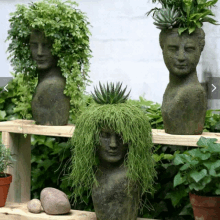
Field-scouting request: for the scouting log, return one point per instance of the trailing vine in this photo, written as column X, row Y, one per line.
column 67, row 28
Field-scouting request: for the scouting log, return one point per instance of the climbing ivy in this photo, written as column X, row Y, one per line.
column 67, row 27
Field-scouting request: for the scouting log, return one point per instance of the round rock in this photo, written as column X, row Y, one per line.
column 54, row 201
column 34, row 206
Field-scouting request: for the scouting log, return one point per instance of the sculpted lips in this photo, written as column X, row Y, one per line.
column 41, row 61
column 180, row 66
column 113, row 153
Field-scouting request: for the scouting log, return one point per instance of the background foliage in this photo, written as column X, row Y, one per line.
column 67, row 28
column 49, row 156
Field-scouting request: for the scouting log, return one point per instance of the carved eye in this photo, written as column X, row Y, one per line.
column 190, row 49
column 46, row 46
column 173, row 48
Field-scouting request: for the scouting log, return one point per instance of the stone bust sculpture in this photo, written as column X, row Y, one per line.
column 110, row 199
column 184, row 101
column 49, row 105
column 60, row 46
column 111, row 140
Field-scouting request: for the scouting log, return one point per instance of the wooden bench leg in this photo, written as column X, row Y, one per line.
column 20, row 186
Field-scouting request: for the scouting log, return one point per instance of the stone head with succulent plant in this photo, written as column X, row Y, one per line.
column 49, row 40
column 111, row 157
column 182, row 41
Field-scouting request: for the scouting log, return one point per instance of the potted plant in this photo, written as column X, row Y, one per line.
column 182, row 41
column 49, row 41
column 199, row 173
column 112, row 158
column 5, row 178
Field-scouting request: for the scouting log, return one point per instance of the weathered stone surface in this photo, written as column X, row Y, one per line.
column 110, row 199
column 49, row 105
column 34, row 206
column 184, row 101
column 54, row 201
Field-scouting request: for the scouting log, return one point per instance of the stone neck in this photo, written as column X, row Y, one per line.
column 176, row 81
column 55, row 71
column 111, row 167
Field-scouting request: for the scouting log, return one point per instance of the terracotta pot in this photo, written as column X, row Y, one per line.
column 205, row 207
column 4, row 187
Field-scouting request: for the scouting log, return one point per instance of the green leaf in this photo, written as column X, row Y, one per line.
column 2, row 115
column 206, row 180
column 177, row 195
column 201, row 1
column 208, row 19
column 212, row 165
column 47, row 163
column 196, row 186
column 212, row 172
column 181, row 30
column 217, row 191
column 181, row 158
column 49, row 142
column 197, row 176
column 185, row 166
column 168, row 156
column 178, row 180
column 157, row 157
column 191, row 29
column 199, row 24
column 205, row 142
column 198, row 154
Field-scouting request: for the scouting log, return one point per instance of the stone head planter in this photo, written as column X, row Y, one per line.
column 50, row 57
column 184, row 101
column 112, row 155
column 49, row 104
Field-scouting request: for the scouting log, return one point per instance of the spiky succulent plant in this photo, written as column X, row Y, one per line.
column 110, row 94
column 166, row 18
column 186, row 15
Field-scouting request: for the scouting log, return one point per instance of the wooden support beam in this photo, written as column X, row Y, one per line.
column 20, row 186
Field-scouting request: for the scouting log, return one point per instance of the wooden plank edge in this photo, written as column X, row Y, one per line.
column 160, row 137
column 20, row 209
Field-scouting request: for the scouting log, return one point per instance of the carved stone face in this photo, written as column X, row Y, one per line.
column 41, row 51
column 181, row 54
column 112, row 149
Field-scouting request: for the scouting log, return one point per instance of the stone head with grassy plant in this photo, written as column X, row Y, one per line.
column 111, row 158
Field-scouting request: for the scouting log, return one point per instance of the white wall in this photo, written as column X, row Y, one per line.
column 125, row 45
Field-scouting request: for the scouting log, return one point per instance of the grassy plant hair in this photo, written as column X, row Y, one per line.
column 125, row 119
column 67, row 28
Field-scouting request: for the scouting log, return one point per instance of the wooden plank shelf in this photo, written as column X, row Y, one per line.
column 20, row 126
column 16, row 211
column 159, row 136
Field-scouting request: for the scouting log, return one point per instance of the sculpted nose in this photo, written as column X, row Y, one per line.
column 181, row 55
column 39, row 50
column 113, row 141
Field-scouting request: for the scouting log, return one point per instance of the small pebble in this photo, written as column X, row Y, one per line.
column 34, row 206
